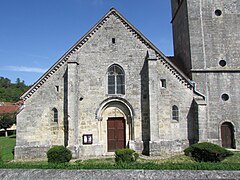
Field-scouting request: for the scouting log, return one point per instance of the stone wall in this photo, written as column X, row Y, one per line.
column 115, row 174
column 220, row 110
column 36, row 129
column 169, row 135
column 211, row 54
column 79, row 91
column 214, row 39
column 181, row 39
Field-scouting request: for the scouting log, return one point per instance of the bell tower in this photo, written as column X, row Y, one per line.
column 207, row 48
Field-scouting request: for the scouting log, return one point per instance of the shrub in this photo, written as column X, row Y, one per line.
column 207, row 152
column 59, row 154
column 125, row 155
column 188, row 151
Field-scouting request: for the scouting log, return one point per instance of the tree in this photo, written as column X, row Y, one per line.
column 10, row 92
column 5, row 82
column 6, row 121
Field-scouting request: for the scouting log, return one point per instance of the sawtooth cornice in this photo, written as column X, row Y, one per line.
column 113, row 12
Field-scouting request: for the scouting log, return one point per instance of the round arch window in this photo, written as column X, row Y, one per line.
column 225, row 97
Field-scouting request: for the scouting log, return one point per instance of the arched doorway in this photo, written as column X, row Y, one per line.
column 227, row 134
column 115, row 117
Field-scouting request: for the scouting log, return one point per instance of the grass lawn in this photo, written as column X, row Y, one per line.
column 6, row 147
column 179, row 162
column 152, row 163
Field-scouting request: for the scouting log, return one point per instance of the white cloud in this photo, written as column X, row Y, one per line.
column 23, row 69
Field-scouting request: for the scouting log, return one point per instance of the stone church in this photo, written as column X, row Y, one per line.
column 114, row 89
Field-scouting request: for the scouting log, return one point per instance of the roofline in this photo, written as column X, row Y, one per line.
column 155, row 48
column 66, row 55
column 85, row 38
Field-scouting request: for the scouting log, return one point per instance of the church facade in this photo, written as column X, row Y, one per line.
column 114, row 89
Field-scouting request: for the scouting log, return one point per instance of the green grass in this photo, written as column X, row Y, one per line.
column 6, row 147
column 178, row 162
column 100, row 164
column 233, row 159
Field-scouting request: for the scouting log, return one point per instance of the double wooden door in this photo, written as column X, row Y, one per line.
column 115, row 133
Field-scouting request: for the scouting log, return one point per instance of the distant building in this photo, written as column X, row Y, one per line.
column 9, row 107
column 114, row 89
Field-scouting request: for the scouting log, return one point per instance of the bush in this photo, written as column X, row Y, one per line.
column 125, row 155
column 207, row 152
column 59, row 154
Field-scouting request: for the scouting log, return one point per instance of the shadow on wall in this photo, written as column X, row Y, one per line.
column 145, row 108
column 65, row 106
column 193, row 124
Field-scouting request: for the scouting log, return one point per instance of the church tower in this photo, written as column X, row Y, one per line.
column 207, row 48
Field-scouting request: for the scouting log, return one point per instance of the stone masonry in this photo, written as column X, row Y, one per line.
column 114, row 89
column 206, row 42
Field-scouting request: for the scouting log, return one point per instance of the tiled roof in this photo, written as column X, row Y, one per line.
column 9, row 107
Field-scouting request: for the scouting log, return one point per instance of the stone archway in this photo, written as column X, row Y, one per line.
column 116, row 123
column 227, row 135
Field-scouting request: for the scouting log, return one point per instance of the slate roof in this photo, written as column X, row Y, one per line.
column 113, row 12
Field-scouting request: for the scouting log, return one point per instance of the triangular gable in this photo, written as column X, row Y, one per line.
column 113, row 12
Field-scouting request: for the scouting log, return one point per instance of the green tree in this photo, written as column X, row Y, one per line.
column 5, row 82
column 6, row 121
column 10, row 92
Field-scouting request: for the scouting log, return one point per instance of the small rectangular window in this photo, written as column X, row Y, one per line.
column 163, row 83
column 113, row 40
column 57, row 88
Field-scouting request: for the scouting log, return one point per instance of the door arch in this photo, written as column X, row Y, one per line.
column 115, row 116
column 227, row 135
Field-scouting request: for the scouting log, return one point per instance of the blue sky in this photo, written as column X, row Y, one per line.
column 34, row 34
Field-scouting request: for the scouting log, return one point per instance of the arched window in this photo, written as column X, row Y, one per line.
column 55, row 115
column 116, row 80
column 175, row 113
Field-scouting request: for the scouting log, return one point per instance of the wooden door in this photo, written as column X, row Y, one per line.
column 115, row 133
column 227, row 135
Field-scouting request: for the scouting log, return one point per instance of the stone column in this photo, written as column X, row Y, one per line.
column 73, row 107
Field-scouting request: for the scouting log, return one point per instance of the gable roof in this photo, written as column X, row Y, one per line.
column 112, row 12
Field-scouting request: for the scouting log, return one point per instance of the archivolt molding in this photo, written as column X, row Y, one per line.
column 110, row 102
column 227, row 121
